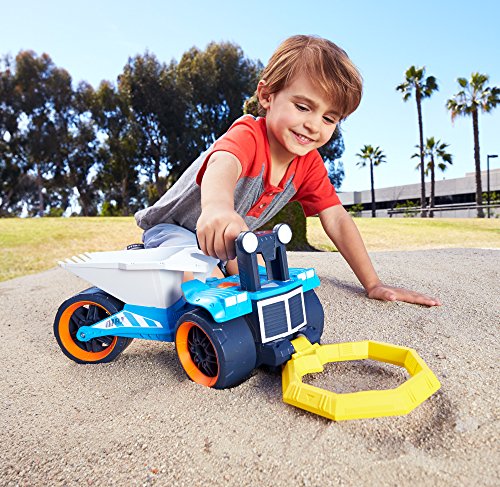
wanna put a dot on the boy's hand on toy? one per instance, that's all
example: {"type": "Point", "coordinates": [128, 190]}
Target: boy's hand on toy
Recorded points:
{"type": "Point", "coordinates": [390, 293]}
{"type": "Point", "coordinates": [217, 229]}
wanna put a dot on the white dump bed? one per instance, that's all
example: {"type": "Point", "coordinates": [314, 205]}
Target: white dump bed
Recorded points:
{"type": "Point", "coordinates": [147, 277]}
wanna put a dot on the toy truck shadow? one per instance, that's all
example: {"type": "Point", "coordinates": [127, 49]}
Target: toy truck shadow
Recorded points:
{"type": "Point", "coordinates": [222, 328]}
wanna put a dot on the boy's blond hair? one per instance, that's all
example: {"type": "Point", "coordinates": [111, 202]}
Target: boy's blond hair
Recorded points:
{"type": "Point", "coordinates": [324, 62]}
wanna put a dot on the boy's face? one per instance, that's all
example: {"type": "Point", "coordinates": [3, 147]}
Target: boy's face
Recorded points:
{"type": "Point", "coordinates": [299, 118]}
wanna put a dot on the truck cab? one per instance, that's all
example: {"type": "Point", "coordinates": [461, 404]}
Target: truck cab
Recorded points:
{"type": "Point", "coordinates": [274, 303]}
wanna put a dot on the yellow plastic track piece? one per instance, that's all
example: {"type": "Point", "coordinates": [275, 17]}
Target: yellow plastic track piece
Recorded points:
{"type": "Point", "coordinates": [355, 405]}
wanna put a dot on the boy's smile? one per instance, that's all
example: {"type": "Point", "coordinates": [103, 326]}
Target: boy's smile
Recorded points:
{"type": "Point", "coordinates": [302, 139]}
{"type": "Point", "coordinates": [299, 119]}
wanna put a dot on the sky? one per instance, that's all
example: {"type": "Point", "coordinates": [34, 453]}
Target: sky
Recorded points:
{"type": "Point", "coordinates": [94, 39]}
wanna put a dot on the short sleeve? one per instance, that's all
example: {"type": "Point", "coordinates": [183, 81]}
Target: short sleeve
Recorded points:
{"type": "Point", "coordinates": [240, 140]}
{"type": "Point", "coordinates": [316, 193]}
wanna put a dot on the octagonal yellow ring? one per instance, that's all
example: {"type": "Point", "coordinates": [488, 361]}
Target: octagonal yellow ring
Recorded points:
{"type": "Point", "coordinates": [310, 358]}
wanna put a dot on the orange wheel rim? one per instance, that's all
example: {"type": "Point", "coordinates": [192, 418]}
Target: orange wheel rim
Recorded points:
{"type": "Point", "coordinates": [182, 343]}
{"type": "Point", "coordinates": [68, 341]}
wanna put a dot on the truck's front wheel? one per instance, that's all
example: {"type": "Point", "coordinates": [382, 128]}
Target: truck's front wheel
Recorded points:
{"type": "Point", "coordinates": [218, 355]}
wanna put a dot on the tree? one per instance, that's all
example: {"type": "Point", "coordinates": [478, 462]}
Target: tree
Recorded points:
{"type": "Point", "coordinates": [374, 156]}
{"type": "Point", "coordinates": [433, 151]}
{"type": "Point", "coordinates": [40, 120]}
{"type": "Point", "coordinates": [331, 153]}
{"type": "Point", "coordinates": [15, 183]}
{"type": "Point", "coordinates": [158, 107]}
{"type": "Point", "coordinates": [475, 95]}
{"type": "Point", "coordinates": [215, 84]}
{"type": "Point", "coordinates": [45, 99]}
{"type": "Point", "coordinates": [83, 149]}
{"type": "Point", "coordinates": [41, 100]}
{"type": "Point", "coordinates": [119, 157]}
{"type": "Point", "coordinates": [416, 82]}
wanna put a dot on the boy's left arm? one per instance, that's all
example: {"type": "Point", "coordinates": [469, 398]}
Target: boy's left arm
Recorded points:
{"type": "Point", "coordinates": [343, 232]}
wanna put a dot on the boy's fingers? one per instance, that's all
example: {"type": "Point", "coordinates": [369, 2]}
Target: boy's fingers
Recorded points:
{"type": "Point", "coordinates": [216, 235]}
{"type": "Point", "coordinates": [414, 297]}
{"type": "Point", "coordinates": [428, 301]}
{"type": "Point", "coordinates": [210, 244]}
{"type": "Point", "coordinates": [230, 234]}
{"type": "Point", "coordinates": [418, 298]}
{"type": "Point", "coordinates": [219, 246]}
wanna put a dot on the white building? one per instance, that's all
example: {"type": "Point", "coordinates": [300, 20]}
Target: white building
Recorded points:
{"type": "Point", "coordinates": [459, 192]}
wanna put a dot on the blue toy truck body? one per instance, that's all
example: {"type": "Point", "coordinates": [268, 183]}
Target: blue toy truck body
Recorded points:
{"type": "Point", "coordinates": [222, 328]}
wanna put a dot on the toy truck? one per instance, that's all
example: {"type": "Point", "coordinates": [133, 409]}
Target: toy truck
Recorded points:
{"type": "Point", "coordinates": [222, 328]}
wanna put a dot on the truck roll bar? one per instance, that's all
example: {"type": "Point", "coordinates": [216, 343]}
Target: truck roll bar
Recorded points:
{"type": "Point", "coordinates": [271, 244]}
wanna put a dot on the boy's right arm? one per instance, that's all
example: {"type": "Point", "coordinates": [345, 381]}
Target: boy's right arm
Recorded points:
{"type": "Point", "coordinates": [219, 224]}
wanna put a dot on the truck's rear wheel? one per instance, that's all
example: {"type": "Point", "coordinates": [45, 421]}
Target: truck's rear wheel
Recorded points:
{"type": "Point", "coordinates": [85, 309]}
{"type": "Point", "coordinates": [218, 355]}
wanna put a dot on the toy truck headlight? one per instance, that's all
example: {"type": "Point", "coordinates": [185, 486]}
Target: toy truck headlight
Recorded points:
{"type": "Point", "coordinates": [248, 242]}
{"type": "Point", "coordinates": [284, 233]}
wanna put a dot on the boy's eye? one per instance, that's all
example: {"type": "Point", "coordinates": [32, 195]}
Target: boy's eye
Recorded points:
{"type": "Point", "coordinates": [301, 108]}
{"type": "Point", "coordinates": [329, 120]}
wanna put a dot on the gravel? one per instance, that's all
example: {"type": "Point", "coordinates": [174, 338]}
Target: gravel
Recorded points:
{"type": "Point", "coordinates": [140, 421]}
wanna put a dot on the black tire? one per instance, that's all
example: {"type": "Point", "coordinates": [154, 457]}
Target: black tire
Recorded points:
{"type": "Point", "coordinates": [85, 309]}
{"type": "Point", "coordinates": [218, 355]}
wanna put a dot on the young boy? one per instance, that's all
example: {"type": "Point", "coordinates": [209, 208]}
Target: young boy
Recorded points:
{"type": "Point", "coordinates": [252, 171]}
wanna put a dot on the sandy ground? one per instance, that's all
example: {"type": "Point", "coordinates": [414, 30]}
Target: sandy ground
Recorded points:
{"type": "Point", "coordinates": [140, 421]}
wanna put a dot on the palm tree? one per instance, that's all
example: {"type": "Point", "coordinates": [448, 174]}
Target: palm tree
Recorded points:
{"type": "Point", "coordinates": [434, 150]}
{"type": "Point", "coordinates": [375, 156]}
{"type": "Point", "coordinates": [415, 81]}
{"type": "Point", "coordinates": [473, 96]}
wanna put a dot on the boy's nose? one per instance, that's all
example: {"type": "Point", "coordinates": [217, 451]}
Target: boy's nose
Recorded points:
{"type": "Point", "coordinates": [312, 125]}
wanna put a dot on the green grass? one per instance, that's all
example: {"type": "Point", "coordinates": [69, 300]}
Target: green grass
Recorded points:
{"type": "Point", "coordinates": [381, 234]}
{"type": "Point", "coordinates": [31, 245]}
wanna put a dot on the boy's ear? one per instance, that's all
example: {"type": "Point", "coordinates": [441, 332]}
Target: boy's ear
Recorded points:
{"type": "Point", "coordinates": [263, 95]}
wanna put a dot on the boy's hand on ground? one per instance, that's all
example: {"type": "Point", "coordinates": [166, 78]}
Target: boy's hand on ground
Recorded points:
{"type": "Point", "coordinates": [217, 229]}
{"type": "Point", "coordinates": [390, 293]}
